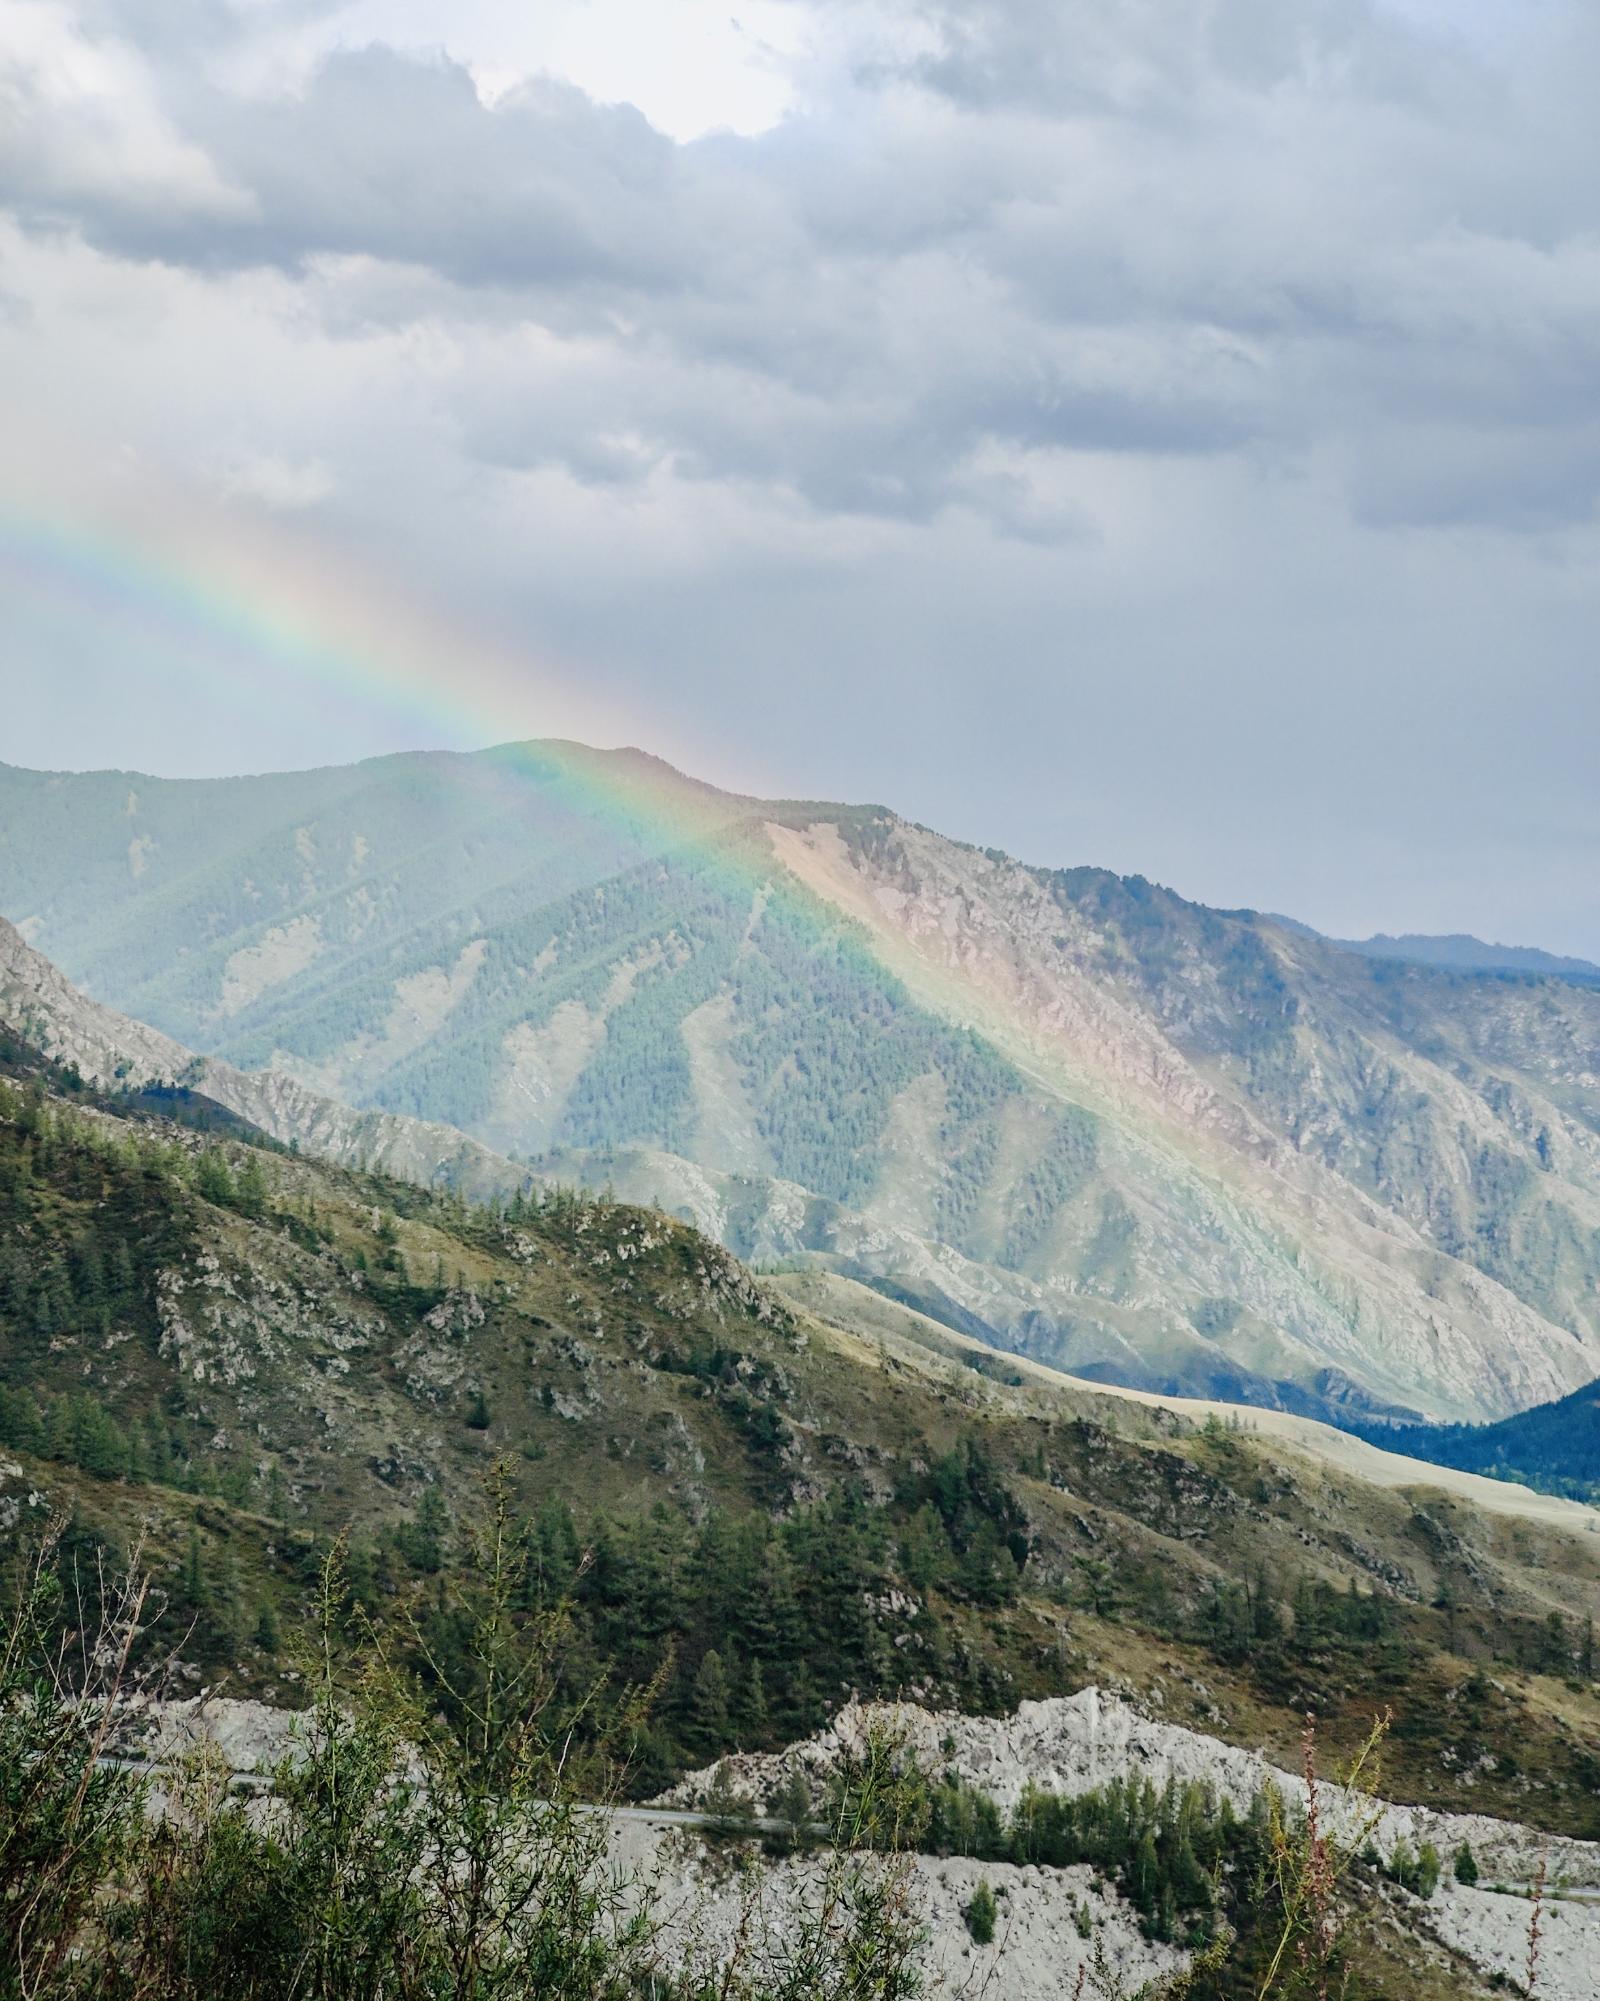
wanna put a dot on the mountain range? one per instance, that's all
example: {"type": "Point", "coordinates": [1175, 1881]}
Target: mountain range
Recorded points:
{"type": "Point", "coordinates": [233, 1353]}
{"type": "Point", "coordinates": [279, 1352]}
{"type": "Point", "coordinates": [1460, 952]}
{"type": "Point", "coordinates": [1070, 1113]}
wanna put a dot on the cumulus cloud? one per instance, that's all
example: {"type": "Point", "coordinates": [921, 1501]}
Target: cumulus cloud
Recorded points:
{"type": "Point", "coordinates": [1201, 228]}
{"type": "Point", "coordinates": [284, 486]}
{"type": "Point", "coordinates": [1097, 330]}
{"type": "Point", "coordinates": [83, 133]}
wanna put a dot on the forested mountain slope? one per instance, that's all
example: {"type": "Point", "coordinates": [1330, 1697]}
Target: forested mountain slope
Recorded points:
{"type": "Point", "coordinates": [183, 901]}
{"type": "Point", "coordinates": [1554, 1446]}
{"type": "Point", "coordinates": [1069, 1112]}
{"type": "Point", "coordinates": [249, 1351]}
{"type": "Point", "coordinates": [103, 1046]}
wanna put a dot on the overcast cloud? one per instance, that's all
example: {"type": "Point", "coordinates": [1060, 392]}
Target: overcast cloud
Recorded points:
{"type": "Point", "coordinates": [1156, 432]}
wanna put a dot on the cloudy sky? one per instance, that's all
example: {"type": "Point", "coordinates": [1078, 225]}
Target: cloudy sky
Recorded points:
{"type": "Point", "coordinates": [1163, 433]}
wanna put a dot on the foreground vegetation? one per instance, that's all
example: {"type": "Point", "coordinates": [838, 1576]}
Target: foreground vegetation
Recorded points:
{"type": "Point", "coordinates": [407, 1850]}
{"type": "Point", "coordinates": [450, 1840]}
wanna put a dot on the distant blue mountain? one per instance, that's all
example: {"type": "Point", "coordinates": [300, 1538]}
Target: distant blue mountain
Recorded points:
{"type": "Point", "coordinates": [1457, 952]}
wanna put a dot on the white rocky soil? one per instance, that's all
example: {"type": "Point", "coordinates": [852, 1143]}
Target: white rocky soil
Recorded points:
{"type": "Point", "coordinates": [710, 1896]}
{"type": "Point", "coordinates": [1067, 1745]}
{"type": "Point", "coordinates": [714, 1897]}
{"type": "Point", "coordinates": [246, 1736]}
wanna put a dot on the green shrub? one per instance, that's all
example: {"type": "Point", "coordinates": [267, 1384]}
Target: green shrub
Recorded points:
{"type": "Point", "coordinates": [437, 1845]}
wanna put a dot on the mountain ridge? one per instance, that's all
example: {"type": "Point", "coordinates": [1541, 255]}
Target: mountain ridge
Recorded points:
{"type": "Point", "coordinates": [1073, 1112]}
{"type": "Point", "coordinates": [109, 1049]}
{"type": "Point", "coordinates": [1457, 951]}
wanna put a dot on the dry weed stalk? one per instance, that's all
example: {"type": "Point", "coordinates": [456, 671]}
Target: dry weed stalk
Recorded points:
{"type": "Point", "coordinates": [1309, 1862]}
{"type": "Point", "coordinates": [1535, 1923]}
{"type": "Point", "coordinates": [66, 1817]}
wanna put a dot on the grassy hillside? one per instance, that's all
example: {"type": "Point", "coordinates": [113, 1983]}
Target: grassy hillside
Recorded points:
{"type": "Point", "coordinates": [251, 1352]}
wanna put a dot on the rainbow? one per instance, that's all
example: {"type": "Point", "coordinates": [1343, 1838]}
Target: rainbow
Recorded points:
{"type": "Point", "coordinates": [264, 610]}
{"type": "Point", "coordinates": [263, 607]}
{"type": "Point", "coordinates": [282, 622]}
{"type": "Point", "coordinates": [277, 622]}
{"type": "Point", "coordinates": [211, 602]}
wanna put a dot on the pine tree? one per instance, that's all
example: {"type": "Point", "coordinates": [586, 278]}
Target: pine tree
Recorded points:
{"type": "Point", "coordinates": [88, 1274]}
{"type": "Point", "coordinates": [99, 1444]}
{"type": "Point", "coordinates": [213, 1179]}
{"type": "Point", "coordinates": [802, 1705]}
{"type": "Point", "coordinates": [423, 1538]}
{"type": "Point", "coordinates": [924, 1550]}
{"type": "Point", "coordinates": [267, 1628]}
{"type": "Point", "coordinates": [752, 1710]}
{"type": "Point", "coordinates": [21, 1425]}
{"type": "Point", "coordinates": [193, 1588]}
{"type": "Point", "coordinates": [555, 1551]}
{"type": "Point", "coordinates": [708, 1708]}
{"type": "Point", "coordinates": [58, 1431]}
{"type": "Point", "coordinates": [1146, 1873]}
{"type": "Point", "coordinates": [251, 1192]}
{"type": "Point", "coordinates": [792, 1804]}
